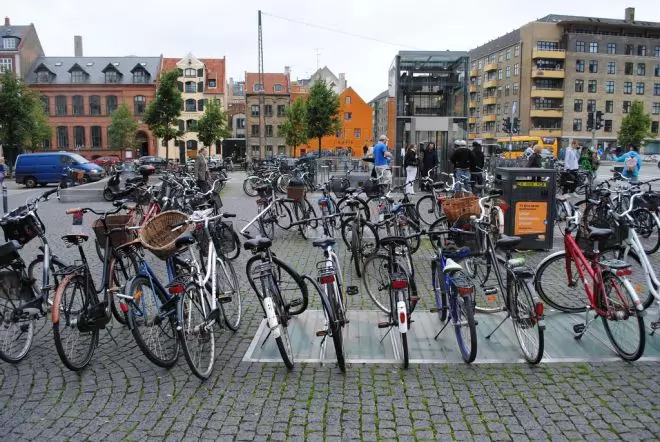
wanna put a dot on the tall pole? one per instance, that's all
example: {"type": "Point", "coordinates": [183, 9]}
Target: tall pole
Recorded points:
{"type": "Point", "coordinates": [262, 117]}
{"type": "Point", "coordinates": [593, 129]}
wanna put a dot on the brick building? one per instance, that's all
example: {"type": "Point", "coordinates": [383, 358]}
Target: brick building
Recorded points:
{"type": "Point", "coordinates": [19, 47]}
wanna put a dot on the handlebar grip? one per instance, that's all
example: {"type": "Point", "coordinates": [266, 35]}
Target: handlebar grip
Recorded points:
{"type": "Point", "coordinates": [49, 193]}
{"type": "Point", "coordinates": [73, 210]}
{"type": "Point", "coordinates": [178, 225]}
{"type": "Point", "coordinates": [229, 215]}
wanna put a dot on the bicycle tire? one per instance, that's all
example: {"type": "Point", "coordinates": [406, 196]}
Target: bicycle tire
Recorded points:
{"type": "Point", "coordinates": [561, 218]}
{"type": "Point", "coordinates": [525, 322]}
{"type": "Point", "coordinates": [554, 288]}
{"type": "Point", "coordinates": [35, 272]}
{"type": "Point", "coordinates": [342, 206]}
{"type": "Point", "coordinates": [336, 328]}
{"type": "Point", "coordinates": [361, 245]}
{"type": "Point", "coordinates": [236, 250]}
{"type": "Point", "coordinates": [283, 220]}
{"type": "Point", "coordinates": [232, 310]}
{"type": "Point", "coordinates": [195, 337]}
{"type": "Point", "coordinates": [65, 318]}
{"type": "Point", "coordinates": [120, 277]}
{"type": "Point", "coordinates": [12, 331]}
{"type": "Point", "coordinates": [437, 281]}
{"type": "Point", "coordinates": [404, 335]}
{"type": "Point", "coordinates": [467, 345]}
{"type": "Point", "coordinates": [249, 184]}
{"type": "Point", "coordinates": [281, 309]}
{"type": "Point", "coordinates": [287, 279]}
{"type": "Point", "coordinates": [267, 227]}
{"type": "Point", "coordinates": [623, 307]}
{"type": "Point", "coordinates": [428, 209]}
{"type": "Point", "coordinates": [374, 267]}
{"type": "Point", "coordinates": [153, 329]}
{"type": "Point", "coordinates": [638, 278]}
{"type": "Point", "coordinates": [647, 229]}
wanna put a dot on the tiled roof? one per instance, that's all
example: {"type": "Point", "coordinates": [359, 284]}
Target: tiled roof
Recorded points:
{"type": "Point", "coordinates": [14, 31]}
{"type": "Point", "coordinates": [94, 67]}
{"type": "Point", "coordinates": [380, 96]}
{"type": "Point", "coordinates": [215, 69]}
{"type": "Point", "coordinates": [270, 80]}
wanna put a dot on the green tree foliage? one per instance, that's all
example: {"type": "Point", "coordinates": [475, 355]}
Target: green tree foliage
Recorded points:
{"type": "Point", "coordinates": [121, 132]}
{"type": "Point", "coordinates": [294, 129]}
{"type": "Point", "coordinates": [322, 112]}
{"type": "Point", "coordinates": [635, 126]}
{"type": "Point", "coordinates": [22, 120]}
{"type": "Point", "coordinates": [41, 130]}
{"type": "Point", "coordinates": [162, 114]}
{"type": "Point", "coordinates": [212, 125]}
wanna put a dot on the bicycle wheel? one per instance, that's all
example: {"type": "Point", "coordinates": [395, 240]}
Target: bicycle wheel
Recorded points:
{"type": "Point", "coordinates": [282, 215]}
{"type": "Point", "coordinates": [336, 327]}
{"type": "Point", "coordinates": [401, 297]}
{"type": "Point", "coordinates": [123, 268]}
{"type": "Point", "coordinates": [438, 281]}
{"type": "Point", "coordinates": [282, 334]}
{"type": "Point", "coordinates": [376, 281]}
{"type": "Point", "coordinates": [556, 289]}
{"type": "Point", "coordinates": [249, 184]}
{"type": "Point", "coordinates": [290, 284]}
{"type": "Point", "coordinates": [362, 207]}
{"type": "Point", "coordinates": [76, 337]}
{"type": "Point", "coordinates": [622, 322]}
{"type": "Point", "coordinates": [428, 209]}
{"type": "Point", "coordinates": [283, 182]}
{"type": "Point", "coordinates": [525, 322]}
{"type": "Point", "coordinates": [16, 335]}
{"type": "Point", "coordinates": [229, 292]}
{"type": "Point", "coordinates": [304, 211]}
{"type": "Point", "coordinates": [267, 224]}
{"type": "Point", "coordinates": [561, 218]}
{"type": "Point", "coordinates": [35, 272]}
{"type": "Point", "coordinates": [364, 242]}
{"type": "Point", "coordinates": [488, 293]}
{"type": "Point", "coordinates": [197, 338]}
{"type": "Point", "coordinates": [647, 230]}
{"type": "Point", "coordinates": [461, 306]}
{"type": "Point", "coordinates": [152, 320]}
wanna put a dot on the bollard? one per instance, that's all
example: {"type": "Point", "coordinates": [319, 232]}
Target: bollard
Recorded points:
{"type": "Point", "coordinates": [5, 203]}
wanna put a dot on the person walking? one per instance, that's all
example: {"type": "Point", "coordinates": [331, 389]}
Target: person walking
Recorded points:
{"type": "Point", "coordinates": [535, 158]}
{"type": "Point", "coordinates": [477, 164]}
{"type": "Point", "coordinates": [382, 158]}
{"type": "Point", "coordinates": [2, 171]}
{"type": "Point", "coordinates": [632, 163]}
{"type": "Point", "coordinates": [430, 160]}
{"type": "Point", "coordinates": [461, 159]}
{"type": "Point", "coordinates": [571, 166]}
{"type": "Point", "coordinates": [410, 163]}
{"type": "Point", "coordinates": [202, 170]}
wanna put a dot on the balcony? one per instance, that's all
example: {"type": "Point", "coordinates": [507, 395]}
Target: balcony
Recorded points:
{"type": "Point", "coordinates": [472, 104]}
{"type": "Point", "coordinates": [545, 133]}
{"type": "Point", "coordinates": [472, 120]}
{"type": "Point", "coordinates": [556, 54]}
{"type": "Point", "coordinates": [472, 88]}
{"type": "Point", "coordinates": [490, 67]}
{"type": "Point", "coordinates": [546, 113]}
{"type": "Point", "coordinates": [548, 73]}
{"type": "Point", "coordinates": [547, 93]}
{"type": "Point", "coordinates": [489, 118]}
{"type": "Point", "coordinates": [474, 73]}
{"type": "Point", "coordinates": [490, 84]}
{"type": "Point", "coordinates": [488, 135]}
{"type": "Point", "coordinates": [490, 100]}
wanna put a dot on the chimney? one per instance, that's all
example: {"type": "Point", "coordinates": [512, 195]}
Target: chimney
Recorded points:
{"type": "Point", "coordinates": [630, 15]}
{"type": "Point", "coordinates": [77, 46]}
{"type": "Point", "coordinates": [342, 81]}
{"type": "Point", "coordinates": [287, 70]}
{"type": "Point", "coordinates": [7, 22]}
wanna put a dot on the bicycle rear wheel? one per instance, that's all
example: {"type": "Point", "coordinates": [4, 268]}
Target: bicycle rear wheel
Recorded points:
{"type": "Point", "coordinates": [488, 293]}
{"type": "Point", "coordinates": [526, 322]}
{"type": "Point", "coordinates": [282, 336]}
{"type": "Point", "coordinates": [282, 215]}
{"type": "Point", "coordinates": [16, 335]}
{"type": "Point", "coordinates": [376, 281]}
{"type": "Point", "coordinates": [197, 338]}
{"type": "Point", "coordinates": [621, 320]}
{"type": "Point", "coordinates": [428, 209]}
{"type": "Point", "coordinates": [229, 293]}
{"type": "Point", "coordinates": [462, 306]}
{"type": "Point", "coordinates": [555, 289]}
{"type": "Point", "coordinates": [333, 312]}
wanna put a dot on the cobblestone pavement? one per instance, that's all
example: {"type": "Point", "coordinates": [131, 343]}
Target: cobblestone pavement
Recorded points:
{"type": "Point", "coordinates": [122, 396]}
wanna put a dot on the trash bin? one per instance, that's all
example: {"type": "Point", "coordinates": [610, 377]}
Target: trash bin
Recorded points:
{"type": "Point", "coordinates": [530, 193]}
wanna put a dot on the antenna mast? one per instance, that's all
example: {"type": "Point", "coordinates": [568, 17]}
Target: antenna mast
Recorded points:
{"type": "Point", "coordinates": [262, 122]}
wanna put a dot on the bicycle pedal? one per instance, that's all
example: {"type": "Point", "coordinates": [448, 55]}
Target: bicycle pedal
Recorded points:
{"type": "Point", "coordinates": [384, 324]}
{"type": "Point", "coordinates": [322, 333]}
{"type": "Point", "coordinates": [295, 302]}
{"type": "Point", "coordinates": [351, 290]}
{"type": "Point", "coordinates": [655, 325]}
{"type": "Point", "coordinates": [579, 328]}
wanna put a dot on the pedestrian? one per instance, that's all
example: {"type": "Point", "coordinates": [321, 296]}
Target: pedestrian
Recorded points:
{"type": "Point", "coordinates": [410, 163]}
{"type": "Point", "coordinates": [2, 171]}
{"type": "Point", "coordinates": [430, 161]}
{"type": "Point", "coordinates": [632, 163]}
{"type": "Point", "coordinates": [585, 160]}
{"type": "Point", "coordinates": [461, 159]}
{"type": "Point", "coordinates": [202, 170]}
{"type": "Point", "coordinates": [477, 164]}
{"type": "Point", "coordinates": [571, 165]}
{"type": "Point", "coordinates": [535, 158]}
{"type": "Point", "coordinates": [382, 158]}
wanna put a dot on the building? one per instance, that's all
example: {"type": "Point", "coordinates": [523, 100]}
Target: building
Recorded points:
{"type": "Point", "coordinates": [380, 115]}
{"type": "Point", "coordinates": [79, 94]}
{"type": "Point", "coordinates": [200, 80]}
{"type": "Point", "coordinates": [336, 83]}
{"type": "Point", "coordinates": [559, 68]}
{"type": "Point", "coordinates": [19, 48]}
{"type": "Point", "coordinates": [265, 105]}
{"type": "Point", "coordinates": [235, 91]}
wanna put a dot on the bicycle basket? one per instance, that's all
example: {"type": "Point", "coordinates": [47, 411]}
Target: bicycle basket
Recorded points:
{"type": "Point", "coordinates": [338, 186]}
{"type": "Point", "coordinates": [455, 208]}
{"type": "Point", "coordinates": [296, 190]}
{"type": "Point", "coordinates": [650, 200]}
{"type": "Point", "coordinates": [113, 222]}
{"type": "Point", "coordinates": [223, 236]}
{"type": "Point", "coordinates": [11, 285]}
{"type": "Point", "coordinates": [157, 236]}
{"type": "Point", "coordinates": [23, 229]}
{"type": "Point", "coordinates": [371, 188]}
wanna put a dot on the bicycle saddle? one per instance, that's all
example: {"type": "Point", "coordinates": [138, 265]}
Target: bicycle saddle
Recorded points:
{"type": "Point", "coordinates": [261, 188]}
{"type": "Point", "coordinates": [598, 233]}
{"type": "Point", "coordinates": [508, 242]}
{"type": "Point", "coordinates": [393, 241]}
{"type": "Point", "coordinates": [324, 243]}
{"type": "Point", "coordinates": [561, 198]}
{"type": "Point", "coordinates": [184, 240]}
{"type": "Point", "coordinates": [350, 190]}
{"type": "Point", "coordinates": [258, 244]}
{"type": "Point", "coordinates": [74, 239]}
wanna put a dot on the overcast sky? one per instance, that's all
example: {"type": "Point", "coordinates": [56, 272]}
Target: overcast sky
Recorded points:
{"type": "Point", "coordinates": [217, 28]}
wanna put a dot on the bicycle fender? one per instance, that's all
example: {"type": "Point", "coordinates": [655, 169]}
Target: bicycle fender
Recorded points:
{"type": "Point", "coordinates": [402, 316]}
{"type": "Point", "coordinates": [547, 258]}
{"type": "Point", "coordinates": [638, 302]}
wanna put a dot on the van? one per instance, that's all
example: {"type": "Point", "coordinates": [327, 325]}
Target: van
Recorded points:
{"type": "Point", "coordinates": [49, 167]}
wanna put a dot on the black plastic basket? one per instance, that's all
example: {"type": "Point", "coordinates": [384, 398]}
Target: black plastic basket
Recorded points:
{"type": "Point", "coordinates": [372, 188]}
{"type": "Point", "coordinates": [23, 229]}
{"type": "Point", "coordinates": [338, 186]}
{"type": "Point", "coordinates": [467, 236]}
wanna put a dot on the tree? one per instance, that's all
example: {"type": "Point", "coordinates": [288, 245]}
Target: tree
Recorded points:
{"type": "Point", "coordinates": [41, 130]}
{"type": "Point", "coordinates": [121, 132]}
{"type": "Point", "coordinates": [635, 127]}
{"type": "Point", "coordinates": [294, 128]}
{"type": "Point", "coordinates": [212, 125]}
{"type": "Point", "coordinates": [162, 114]}
{"type": "Point", "coordinates": [322, 112]}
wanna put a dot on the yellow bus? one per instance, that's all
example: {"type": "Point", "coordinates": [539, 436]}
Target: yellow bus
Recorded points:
{"type": "Point", "coordinates": [514, 147]}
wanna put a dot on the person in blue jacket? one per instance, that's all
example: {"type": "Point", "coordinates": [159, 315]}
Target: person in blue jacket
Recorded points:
{"type": "Point", "coordinates": [630, 169]}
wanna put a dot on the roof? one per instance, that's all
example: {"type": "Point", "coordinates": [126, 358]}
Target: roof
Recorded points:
{"type": "Point", "coordinates": [380, 96]}
{"type": "Point", "coordinates": [14, 31]}
{"type": "Point", "coordinates": [215, 69]}
{"type": "Point", "coordinates": [568, 19]}
{"type": "Point", "coordinates": [94, 67]}
{"type": "Point", "coordinates": [270, 80]}
{"type": "Point", "coordinates": [503, 42]}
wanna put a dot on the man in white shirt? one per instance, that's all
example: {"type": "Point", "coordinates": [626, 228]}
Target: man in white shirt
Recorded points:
{"type": "Point", "coordinates": [571, 166]}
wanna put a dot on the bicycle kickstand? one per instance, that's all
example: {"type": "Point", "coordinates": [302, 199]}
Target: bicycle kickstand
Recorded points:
{"type": "Point", "coordinates": [508, 315]}
{"type": "Point", "coordinates": [442, 329]}
{"type": "Point", "coordinates": [581, 329]}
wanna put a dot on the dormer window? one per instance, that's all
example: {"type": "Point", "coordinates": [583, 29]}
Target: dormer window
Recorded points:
{"type": "Point", "coordinates": [112, 77]}
{"type": "Point", "coordinates": [277, 88]}
{"type": "Point", "coordinates": [258, 87]}
{"type": "Point", "coordinates": [140, 76]}
{"type": "Point", "coordinates": [43, 77]}
{"type": "Point", "coordinates": [9, 43]}
{"type": "Point", "coordinates": [77, 76]}
{"type": "Point", "coordinates": [190, 72]}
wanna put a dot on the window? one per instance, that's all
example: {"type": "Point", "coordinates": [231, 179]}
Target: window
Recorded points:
{"type": "Point", "coordinates": [281, 149]}
{"type": "Point", "coordinates": [140, 103]}
{"type": "Point", "coordinates": [629, 68]}
{"type": "Point", "coordinates": [516, 69]}
{"type": "Point", "coordinates": [77, 76]}
{"type": "Point", "coordinates": [499, 57]}
{"type": "Point", "coordinates": [255, 151]}
{"type": "Point", "coordinates": [281, 110]}
{"type": "Point", "coordinates": [627, 87]}
{"type": "Point", "coordinates": [348, 115]}
{"type": "Point", "coordinates": [110, 104]}
{"type": "Point", "coordinates": [269, 130]}
{"type": "Point", "coordinates": [240, 123]}
{"type": "Point", "coordinates": [43, 76]}
{"type": "Point", "coordinates": [347, 100]}
{"type": "Point", "coordinates": [507, 55]}
{"type": "Point", "coordinates": [655, 109]}
{"type": "Point", "coordinates": [579, 85]}
{"type": "Point", "coordinates": [656, 70]}
{"type": "Point", "coordinates": [258, 87]}
{"type": "Point", "coordinates": [609, 87]}
{"type": "Point", "coordinates": [190, 87]}
{"type": "Point", "coordinates": [609, 106]}
{"type": "Point", "coordinates": [191, 125]}
{"type": "Point", "coordinates": [516, 88]}
{"type": "Point", "coordinates": [200, 86]}
{"type": "Point", "coordinates": [507, 90]}
{"type": "Point", "coordinates": [499, 74]}
{"type": "Point", "coordinates": [112, 77]}
{"type": "Point", "coordinates": [630, 49]}
{"type": "Point", "coordinates": [255, 130]}
{"type": "Point", "coordinates": [592, 86]}
{"type": "Point", "coordinates": [611, 48]}
{"type": "Point", "coordinates": [547, 45]}
{"type": "Point", "coordinates": [579, 46]}
{"type": "Point", "coordinates": [641, 50]}
{"type": "Point", "coordinates": [212, 84]}
{"type": "Point", "coordinates": [579, 65]}
{"type": "Point", "coordinates": [254, 110]}
{"type": "Point", "coordinates": [277, 88]}
{"type": "Point", "coordinates": [268, 110]}
{"type": "Point", "coordinates": [182, 125]}
{"type": "Point", "coordinates": [78, 105]}
{"type": "Point", "coordinates": [60, 105]}
{"type": "Point", "coordinates": [656, 89]}
{"type": "Point", "coordinates": [577, 125]}
{"type": "Point", "coordinates": [641, 68]}
{"type": "Point", "coordinates": [190, 105]}
{"type": "Point", "coordinates": [190, 72]}
{"type": "Point", "coordinates": [608, 126]}
{"type": "Point", "coordinates": [611, 67]}
{"type": "Point", "coordinates": [95, 105]}
{"type": "Point", "coordinates": [269, 150]}
{"type": "Point", "coordinates": [626, 107]}
{"type": "Point", "coordinates": [593, 47]}
{"type": "Point", "coordinates": [62, 137]}
{"type": "Point", "coordinates": [639, 88]}
{"type": "Point", "coordinates": [9, 43]}
{"type": "Point", "coordinates": [357, 133]}
{"type": "Point", "coordinates": [656, 52]}
{"type": "Point", "coordinates": [78, 137]}
{"type": "Point", "coordinates": [45, 104]}
{"type": "Point", "coordinates": [577, 105]}
{"type": "Point", "coordinates": [96, 136]}
{"type": "Point", "coordinates": [508, 71]}
{"type": "Point", "coordinates": [591, 105]}
{"type": "Point", "coordinates": [654, 126]}
{"type": "Point", "coordinates": [516, 51]}
{"type": "Point", "coordinates": [593, 66]}
{"type": "Point", "coordinates": [200, 105]}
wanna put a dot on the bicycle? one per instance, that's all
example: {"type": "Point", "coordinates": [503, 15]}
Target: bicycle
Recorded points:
{"type": "Point", "coordinates": [359, 235]}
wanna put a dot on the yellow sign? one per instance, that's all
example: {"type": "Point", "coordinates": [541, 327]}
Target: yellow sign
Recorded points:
{"type": "Point", "coordinates": [531, 184]}
{"type": "Point", "coordinates": [531, 218]}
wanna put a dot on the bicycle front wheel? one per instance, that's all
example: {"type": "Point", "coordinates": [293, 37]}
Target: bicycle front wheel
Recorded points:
{"type": "Point", "coordinates": [376, 281]}
{"type": "Point", "coordinates": [526, 322]}
{"type": "Point", "coordinates": [196, 336]}
{"type": "Point", "coordinates": [621, 320]}
{"type": "Point", "coordinates": [557, 289]}
{"type": "Point", "coordinates": [282, 215]}
{"type": "Point", "coordinates": [488, 293]}
{"type": "Point", "coordinates": [229, 293]}
{"type": "Point", "coordinates": [428, 209]}
{"type": "Point", "coordinates": [16, 335]}
{"type": "Point", "coordinates": [123, 268]}
{"type": "Point", "coordinates": [76, 336]}
{"type": "Point", "coordinates": [282, 337]}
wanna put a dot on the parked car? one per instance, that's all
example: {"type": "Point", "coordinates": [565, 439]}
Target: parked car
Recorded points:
{"type": "Point", "coordinates": [158, 162]}
{"type": "Point", "coordinates": [49, 167]}
{"type": "Point", "coordinates": [107, 162]}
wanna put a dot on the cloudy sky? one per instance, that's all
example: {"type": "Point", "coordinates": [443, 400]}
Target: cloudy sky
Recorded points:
{"type": "Point", "coordinates": [358, 37]}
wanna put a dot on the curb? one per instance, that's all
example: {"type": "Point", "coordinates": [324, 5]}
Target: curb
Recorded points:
{"type": "Point", "coordinates": [76, 194]}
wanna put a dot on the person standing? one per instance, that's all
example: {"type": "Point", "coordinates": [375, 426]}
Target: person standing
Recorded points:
{"type": "Point", "coordinates": [410, 163]}
{"type": "Point", "coordinates": [2, 171]}
{"type": "Point", "coordinates": [202, 170]}
{"type": "Point", "coordinates": [461, 159]}
{"type": "Point", "coordinates": [382, 158]}
{"type": "Point", "coordinates": [535, 159]}
{"type": "Point", "coordinates": [632, 163]}
{"type": "Point", "coordinates": [571, 166]}
{"type": "Point", "coordinates": [430, 161]}
{"type": "Point", "coordinates": [477, 164]}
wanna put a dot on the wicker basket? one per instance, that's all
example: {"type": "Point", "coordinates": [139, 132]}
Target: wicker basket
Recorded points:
{"type": "Point", "coordinates": [295, 193]}
{"type": "Point", "coordinates": [113, 222]}
{"type": "Point", "coordinates": [157, 236]}
{"type": "Point", "coordinates": [454, 208]}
